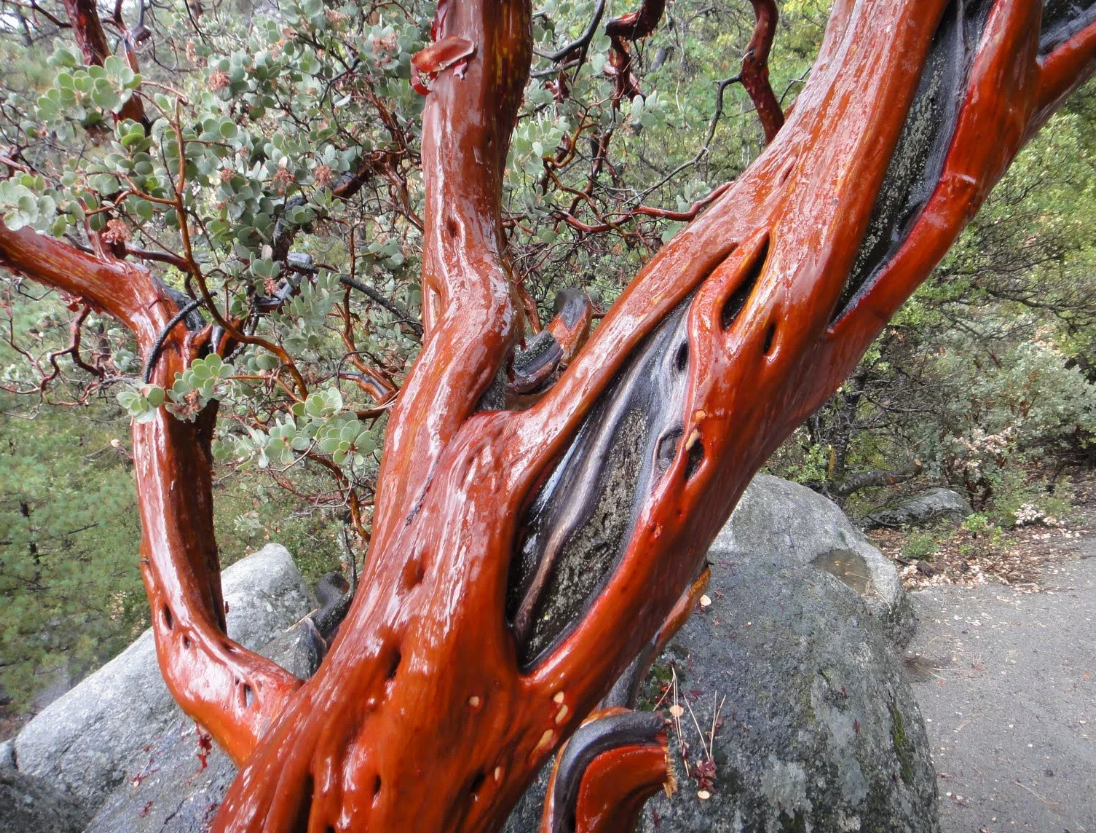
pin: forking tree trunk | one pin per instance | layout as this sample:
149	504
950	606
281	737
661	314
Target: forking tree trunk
522	559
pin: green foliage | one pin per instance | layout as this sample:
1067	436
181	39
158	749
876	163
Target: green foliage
203	381
921	546
70	593
320	423
141	403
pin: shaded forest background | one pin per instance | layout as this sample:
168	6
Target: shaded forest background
985	382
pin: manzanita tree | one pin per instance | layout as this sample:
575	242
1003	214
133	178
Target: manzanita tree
541	515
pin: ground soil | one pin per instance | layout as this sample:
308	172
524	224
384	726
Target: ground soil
1004	668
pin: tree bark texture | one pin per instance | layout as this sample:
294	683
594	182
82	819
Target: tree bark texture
522	559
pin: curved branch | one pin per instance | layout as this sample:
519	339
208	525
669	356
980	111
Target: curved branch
746	280
638	24
231	691
1063	71
876	477
583	40
375	296
73	351
123	290
606	772
968	172
630	27
755	69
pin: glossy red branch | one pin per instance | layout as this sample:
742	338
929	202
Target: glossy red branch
630	27
465	277
231	691
428	714
755	68
87	29
1063	71
638	24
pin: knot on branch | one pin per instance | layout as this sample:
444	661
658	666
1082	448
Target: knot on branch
531	372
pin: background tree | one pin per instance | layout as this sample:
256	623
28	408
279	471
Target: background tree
505	589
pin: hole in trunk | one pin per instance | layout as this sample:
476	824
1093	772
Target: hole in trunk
413	574
394	666
667	448
304	809
740	296
681	359
477	783
695	458
770	336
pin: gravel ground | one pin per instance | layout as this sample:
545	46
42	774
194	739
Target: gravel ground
1007	684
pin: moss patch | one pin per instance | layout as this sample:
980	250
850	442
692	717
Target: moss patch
902	747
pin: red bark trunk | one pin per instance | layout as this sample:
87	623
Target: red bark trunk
432	713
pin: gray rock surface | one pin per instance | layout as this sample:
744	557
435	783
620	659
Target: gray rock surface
167	788
820	730
34	805
175	785
84	740
1007	683
780	518
7	754
926	507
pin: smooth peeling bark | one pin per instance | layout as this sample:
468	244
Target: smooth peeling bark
432	712
471	315
421	718
231	691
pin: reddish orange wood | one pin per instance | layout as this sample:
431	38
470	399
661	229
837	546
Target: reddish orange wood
421	718
613	781
755	69
616	787
87	28
231	691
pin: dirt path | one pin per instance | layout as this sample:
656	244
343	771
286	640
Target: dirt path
1007	684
